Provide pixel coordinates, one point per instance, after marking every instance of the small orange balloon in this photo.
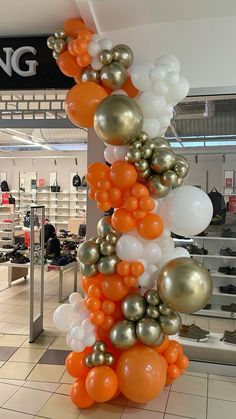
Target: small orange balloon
(85, 283)
(85, 34)
(83, 60)
(118, 314)
(164, 361)
(79, 395)
(92, 192)
(101, 196)
(108, 322)
(73, 26)
(137, 268)
(173, 371)
(160, 349)
(108, 307)
(150, 227)
(104, 184)
(71, 48)
(123, 175)
(114, 194)
(97, 317)
(130, 281)
(131, 203)
(95, 172)
(171, 355)
(129, 88)
(139, 190)
(101, 384)
(94, 291)
(113, 287)
(104, 206)
(75, 364)
(123, 268)
(146, 203)
(68, 65)
(122, 220)
(182, 362)
(174, 344)
(80, 46)
(169, 381)
(93, 304)
(139, 214)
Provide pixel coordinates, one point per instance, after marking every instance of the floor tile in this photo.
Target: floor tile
(59, 343)
(38, 385)
(6, 391)
(196, 374)
(66, 378)
(218, 409)
(50, 373)
(59, 406)
(27, 355)
(131, 412)
(222, 378)
(10, 414)
(174, 417)
(16, 370)
(12, 340)
(54, 356)
(40, 342)
(18, 383)
(222, 390)
(186, 405)
(104, 411)
(190, 385)
(6, 352)
(64, 389)
(157, 405)
(27, 400)
(121, 400)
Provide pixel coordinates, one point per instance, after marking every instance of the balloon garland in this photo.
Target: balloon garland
(135, 282)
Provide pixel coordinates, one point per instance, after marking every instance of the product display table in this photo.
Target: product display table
(16, 271)
(62, 270)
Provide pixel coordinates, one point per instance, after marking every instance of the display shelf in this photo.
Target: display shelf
(216, 312)
(213, 256)
(213, 238)
(217, 274)
(2, 223)
(216, 292)
(6, 232)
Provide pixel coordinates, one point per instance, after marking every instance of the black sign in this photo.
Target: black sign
(27, 63)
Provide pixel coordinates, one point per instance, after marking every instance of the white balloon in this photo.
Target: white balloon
(75, 297)
(88, 326)
(164, 121)
(181, 252)
(172, 78)
(179, 91)
(77, 346)
(160, 88)
(143, 261)
(170, 61)
(166, 244)
(167, 111)
(119, 92)
(151, 104)
(158, 74)
(140, 76)
(77, 307)
(105, 44)
(84, 315)
(62, 317)
(77, 333)
(166, 257)
(68, 340)
(96, 64)
(109, 154)
(93, 48)
(89, 339)
(152, 253)
(186, 210)
(152, 127)
(120, 151)
(166, 234)
(144, 280)
(129, 248)
(96, 37)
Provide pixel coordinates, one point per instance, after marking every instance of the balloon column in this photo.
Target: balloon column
(135, 282)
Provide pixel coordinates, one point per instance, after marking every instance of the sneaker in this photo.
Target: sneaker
(228, 289)
(229, 337)
(207, 307)
(227, 252)
(231, 308)
(193, 332)
(227, 232)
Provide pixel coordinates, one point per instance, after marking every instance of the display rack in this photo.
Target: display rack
(4, 235)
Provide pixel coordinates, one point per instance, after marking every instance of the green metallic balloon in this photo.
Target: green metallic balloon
(69, 39)
(170, 324)
(122, 334)
(146, 150)
(152, 298)
(109, 359)
(181, 166)
(185, 285)
(113, 75)
(104, 226)
(93, 239)
(88, 253)
(148, 331)
(112, 238)
(105, 56)
(123, 54)
(152, 312)
(50, 41)
(98, 358)
(164, 309)
(133, 155)
(59, 45)
(180, 182)
(60, 33)
(88, 361)
(107, 248)
(142, 165)
(89, 74)
(156, 188)
(169, 178)
(143, 137)
(162, 160)
(107, 264)
(88, 270)
(118, 120)
(160, 142)
(136, 144)
(133, 307)
(99, 346)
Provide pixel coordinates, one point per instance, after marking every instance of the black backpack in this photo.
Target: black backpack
(219, 207)
(4, 186)
(76, 181)
(53, 248)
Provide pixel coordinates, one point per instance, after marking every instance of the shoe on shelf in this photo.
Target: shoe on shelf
(230, 308)
(193, 332)
(228, 289)
(7, 246)
(227, 252)
(207, 307)
(229, 337)
(227, 232)
(5, 238)
(202, 234)
(227, 270)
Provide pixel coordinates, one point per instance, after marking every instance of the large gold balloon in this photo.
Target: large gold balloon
(169, 178)
(123, 54)
(162, 160)
(181, 166)
(118, 120)
(113, 75)
(107, 264)
(88, 270)
(104, 226)
(133, 307)
(148, 331)
(89, 74)
(185, 285)
(160, 142)
(156, 188)
(123, 335)
(170, 324)
(88, 253)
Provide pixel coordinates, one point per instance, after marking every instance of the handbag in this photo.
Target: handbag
(4, 186)
(12, 200)
(55, 187)
(5, 198)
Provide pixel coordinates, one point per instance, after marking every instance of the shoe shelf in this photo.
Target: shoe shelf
(217, 274)
(212, 256)
(213, 238)
(216, 311)
(216, 292)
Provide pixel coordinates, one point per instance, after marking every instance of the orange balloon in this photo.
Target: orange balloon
(68, 65)
(78, 79)
(182, 362)
(71, 48)
(94, 291)
(164, 361)
(82, 101)
(95, 172)
(139, 190)
(122, 220)
(150, 227)
(130, 281)
(118, 314)
(101, 196)
(108, 322)
(114, 194)
(173, 371)
(103, 334)
(85, 34)
(141, 374)
(83, 60)
(80, 46)
(92, 192)
(118, 203)
(113, 287)
(146, 203)
(93, 304)
(131, 203)
(108, 307)
(174, 344)
(171, 355)
(169, 381)
(137, 268)
(101, 384)
(160, 349)
(104, 206)
(139, 214)
(123, 268)
(129, 88)
(85, 283)
(73, 26)
(75, 364)
(79, 395)
(123, 175)
(97, 318)
(104, 184)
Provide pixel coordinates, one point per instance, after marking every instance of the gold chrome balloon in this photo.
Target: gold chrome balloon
(88, 270)
(88, 253)
(160, 340)
(59, 45)
(146, 150)
(142, 165)
(99, 346)
(133, 307)
(107, 264)
(98, 358)
(144, 175)
(152, 311)
(162, 160)
(123, 54)
(55, 54)
(113, 75)
(170, 324)
(148, 331)
(122, 334)
(136, 144)
(152, 298)
(112, 238)
(156, 188)
(105, 56)
(107, 248)
(133, 155)
(143, 136)
(181, 166)
(100, 240)
(164, 309)
(104, 226)
(160, 142)
(118, 120)
(50, 41)
(185, 285)
(109, 358)
(60, 33)
(180, 182)
(89, 74)
(169, 178)
(88, 361)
